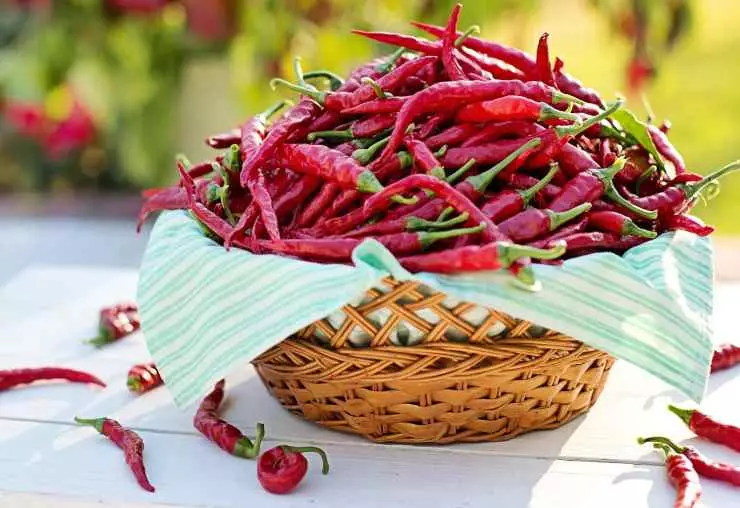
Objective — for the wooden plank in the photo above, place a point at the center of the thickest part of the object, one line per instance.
(187, 471)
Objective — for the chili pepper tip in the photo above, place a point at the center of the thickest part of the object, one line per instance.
(311, 449)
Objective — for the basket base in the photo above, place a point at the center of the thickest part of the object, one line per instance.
(440, 393)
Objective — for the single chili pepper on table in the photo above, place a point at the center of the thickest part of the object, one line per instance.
(509, 202)
(116, 322)
(703, 465)
(511, 107)
(707, 428)
(128, 441)
(491, 256)
(725, 356)
(679, 198)
(226, 436)
(304, 112)
(15, 377)
(615, 222)
(281, 469)
(340, 249)
(451, 94)
(683, 477)
(143, 378)
(684, 222)
(544, 69)
(533, 222)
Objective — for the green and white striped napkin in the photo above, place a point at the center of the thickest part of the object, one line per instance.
(206, 311)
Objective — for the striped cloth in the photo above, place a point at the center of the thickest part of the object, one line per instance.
(206, 311)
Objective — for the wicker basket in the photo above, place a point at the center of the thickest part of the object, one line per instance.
(410, 365)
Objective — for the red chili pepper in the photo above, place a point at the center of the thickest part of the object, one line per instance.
(16, 377)
(495, 131)
(509, 202)
(128, 441)
(253, 131)
(451, 65)
(224, 140)
(666, 149)
(390, 225)
(511, 108)
(304, 112)
(448, 95)
(340, 249)
(703, 465)
(683, 477)
(318, 204)
(544, 69)
(425, 160)
(322, 161)
(521, 181)
(601, 241)
(725, 356)
(493, 67)
(533, 222)
(226, 436)
(366, 128)
(452, 136)
(572, 86)
(325, 121)
(590, 185)
(560, 234)
(492, 256)
(143, 378)
(678, 199)
(281, 469)
(685, 178)
(684, 222)
(573, 160)
(116, 322)
(431, 125)
(615, 222)
(206, 217)
(339, 101)
(376, 106)
(707, 428)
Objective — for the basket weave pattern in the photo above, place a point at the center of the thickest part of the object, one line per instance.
(470, 374)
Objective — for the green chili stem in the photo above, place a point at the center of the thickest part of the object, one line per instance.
(575, 130)
(557, 219)
(547, 112)
(474, 29)
(365, 155)
(528, 194)
(310, 449)
(335, 81)
(247, 449)
(96, 423)
(343, 134)
(692, 189)
(319, 97)
(510, 252)
(385, 67)
(428, 238)
(663, 441)
(445, 213)
(482, 181)
(454, 177)
(683, 414)
(375, 86)
(416, 224)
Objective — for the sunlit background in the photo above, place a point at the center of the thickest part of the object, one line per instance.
(98, 95)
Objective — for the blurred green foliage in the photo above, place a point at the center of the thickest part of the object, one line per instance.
(157, 84)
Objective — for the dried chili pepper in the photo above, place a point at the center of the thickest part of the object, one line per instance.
(615, 222)
(544, 69)
(492, 256)
(451, 65)
(143, 378)
(666, 149)
(703, 465)
(128, 441)
(602, 241)
(376, 106)
(564, 232)
(15, 377)
(366, 128)
(226, 436)
(452, 136)
(707, 428)
(494, 131)
(224, 140)
(424, 158)
(116, 322)
(511, 107)
(509, 202)
(725, 356)
(683, 222)
(281, 469)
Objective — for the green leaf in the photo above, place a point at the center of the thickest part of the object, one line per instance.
(638, 130)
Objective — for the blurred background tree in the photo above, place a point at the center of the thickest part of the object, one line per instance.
(98, 94)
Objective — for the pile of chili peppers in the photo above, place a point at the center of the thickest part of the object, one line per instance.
(456, 153)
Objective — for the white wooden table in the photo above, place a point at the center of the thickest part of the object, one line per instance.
(45, 460)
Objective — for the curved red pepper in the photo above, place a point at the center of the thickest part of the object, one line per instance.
(534, 222)
(725, 356)
(708, 428)
(15, 377)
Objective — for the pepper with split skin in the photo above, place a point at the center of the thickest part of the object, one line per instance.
(16, 377)
(143, 378)
(226, 436)
(703, 465)
(452, 94)
(281, 469)
(533, 222)
(296, 117)
(128, 441)
(615, 222)
(509, 202)
(725, 356)
(708, 428)
(116, 322)
(511, 108)
(340, 249)
(491, 256)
